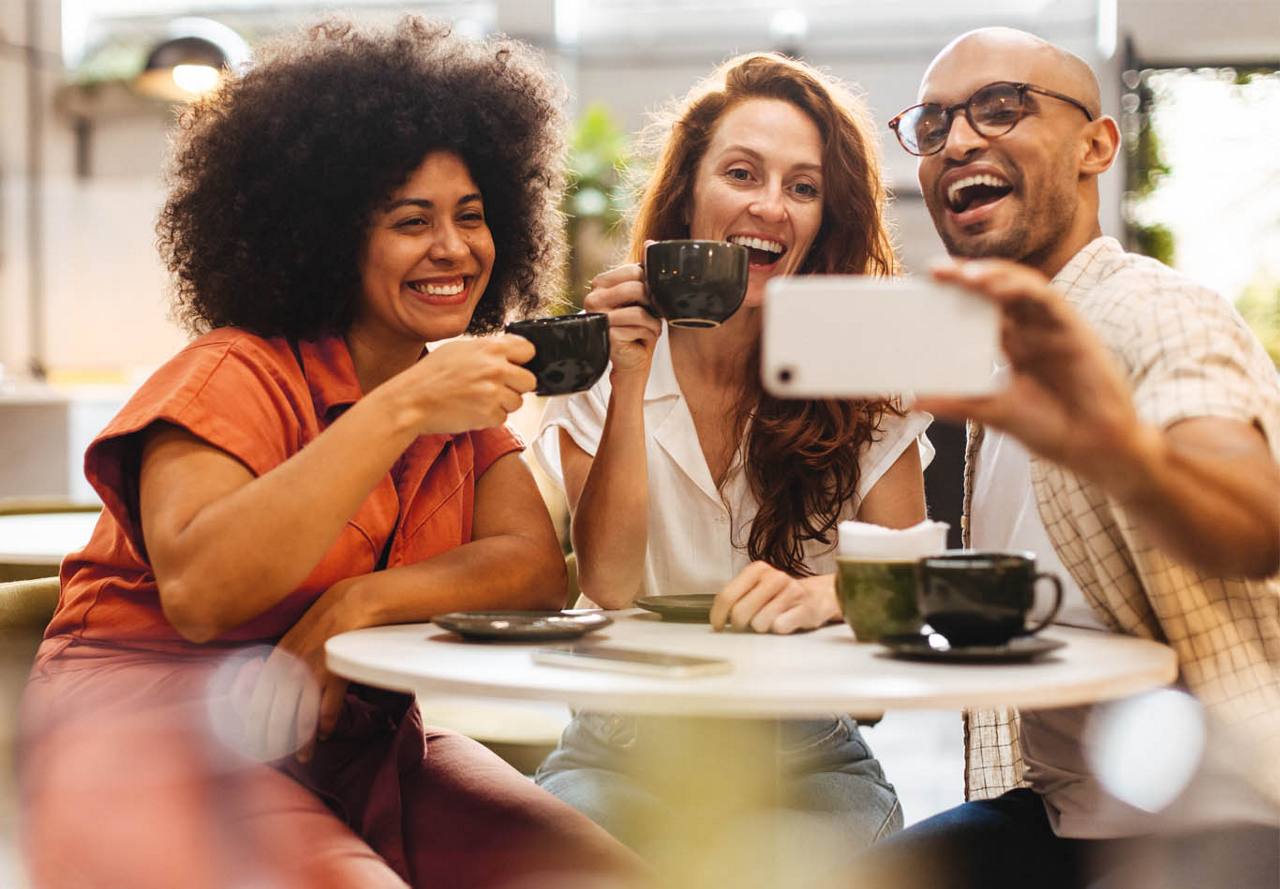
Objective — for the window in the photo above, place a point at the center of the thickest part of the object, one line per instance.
(1204, 184)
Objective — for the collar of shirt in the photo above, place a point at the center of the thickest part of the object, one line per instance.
(1088, 267)
(662, 381)
(331, 379)
(675, 431)
(330, 374)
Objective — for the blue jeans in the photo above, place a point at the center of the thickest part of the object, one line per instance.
(1007, 843)
(826, 767)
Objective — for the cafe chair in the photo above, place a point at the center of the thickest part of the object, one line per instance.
(13, 573)
(25, 609)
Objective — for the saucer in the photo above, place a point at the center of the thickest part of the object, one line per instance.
(934, 647)
(521, 626)
(691, 609)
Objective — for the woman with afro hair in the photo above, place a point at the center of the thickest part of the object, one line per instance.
(304, 467)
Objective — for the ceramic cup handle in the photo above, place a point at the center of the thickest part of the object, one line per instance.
(1057, 602)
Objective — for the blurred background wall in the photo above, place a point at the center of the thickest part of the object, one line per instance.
(100, 147)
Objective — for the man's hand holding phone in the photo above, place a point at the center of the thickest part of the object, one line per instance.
(1066, 398)
(850, 336)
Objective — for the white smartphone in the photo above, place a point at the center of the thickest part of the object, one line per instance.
(631, 660)
(841, 336)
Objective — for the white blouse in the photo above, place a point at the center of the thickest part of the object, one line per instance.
(692, 527)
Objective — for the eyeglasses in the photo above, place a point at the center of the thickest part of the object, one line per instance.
(993, 110)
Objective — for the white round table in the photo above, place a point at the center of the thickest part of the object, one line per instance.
(807, 674)
(43, 538)
(727, 727)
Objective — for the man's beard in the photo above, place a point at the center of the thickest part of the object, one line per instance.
(1009, 244)
(1053, 218)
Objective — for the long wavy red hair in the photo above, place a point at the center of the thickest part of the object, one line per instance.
(801, 458)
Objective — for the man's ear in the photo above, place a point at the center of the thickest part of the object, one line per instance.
(1099, 146)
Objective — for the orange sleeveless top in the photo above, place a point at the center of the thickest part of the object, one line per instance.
(261, 401)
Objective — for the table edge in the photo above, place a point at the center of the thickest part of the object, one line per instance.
(1084, 692)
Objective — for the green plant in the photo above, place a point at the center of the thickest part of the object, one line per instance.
(1259, 303)
(110, 62)
(597, 155)
(1245, 76)
(1145, 167)
(1156, 241)
(595, 199)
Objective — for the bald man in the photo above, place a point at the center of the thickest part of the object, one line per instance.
(1132, 446)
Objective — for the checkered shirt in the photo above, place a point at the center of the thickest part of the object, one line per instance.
(1187, 353)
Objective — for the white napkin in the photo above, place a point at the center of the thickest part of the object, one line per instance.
(861, 540)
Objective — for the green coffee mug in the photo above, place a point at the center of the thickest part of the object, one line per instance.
(878, 597)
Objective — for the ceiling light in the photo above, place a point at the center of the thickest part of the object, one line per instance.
(190, 62)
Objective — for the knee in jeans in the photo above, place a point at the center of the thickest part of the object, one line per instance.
(892, 822)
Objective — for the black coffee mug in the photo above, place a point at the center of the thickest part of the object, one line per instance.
(981, 598)
(572, 350)
(696, 284)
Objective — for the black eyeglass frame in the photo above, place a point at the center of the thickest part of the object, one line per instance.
(949, 111)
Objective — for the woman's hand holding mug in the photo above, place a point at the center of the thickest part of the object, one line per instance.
(464, 385)
(633, 329)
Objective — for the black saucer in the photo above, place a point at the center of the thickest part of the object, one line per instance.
(521, 626)
(933, 647)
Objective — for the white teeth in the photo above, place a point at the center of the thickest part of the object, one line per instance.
(980, 179)
(451, 289)
(757, 244)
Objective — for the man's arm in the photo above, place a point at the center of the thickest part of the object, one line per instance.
(1205, 489)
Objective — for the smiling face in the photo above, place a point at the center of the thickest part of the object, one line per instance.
(428, 258)
(759, 184)
(1020, 195)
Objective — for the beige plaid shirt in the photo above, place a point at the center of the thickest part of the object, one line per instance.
(1187, 354)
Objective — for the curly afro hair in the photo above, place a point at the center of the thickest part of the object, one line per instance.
(276, 176)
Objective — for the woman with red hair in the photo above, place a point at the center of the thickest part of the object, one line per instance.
(682, 475)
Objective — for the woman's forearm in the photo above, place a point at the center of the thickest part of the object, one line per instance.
(610, 525)
(248, 547)
(505, 572)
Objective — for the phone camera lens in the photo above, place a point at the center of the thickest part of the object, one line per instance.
(784, 375)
